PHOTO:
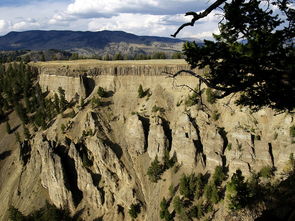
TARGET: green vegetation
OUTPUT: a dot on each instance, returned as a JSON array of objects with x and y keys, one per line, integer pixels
[
  {"x": 47, "y": 213},
  {"x": 164, "y": 212},
  {"x": 211, "y": 96},
  {"x": 101, "y": 92},
  {"x": 237, "y": 192},
  {"x": 157, "y": 168},
  {"x": 134, "y": 210},
  {"x": 292, "y": 131},
  {"x": 20, "y": 92},
  {"x": 96, "y": 102},
  {"x": 191, "y": 100},
  {"x": 215, "y": 115},
  {"x": 158, "y": 109},
  {"x": 252, "y": 53},
  {"x": 266, "y": 172},
  {"x": 141, "y": 92},
  {"x": 229, "y": 146},
  {"x": 195, "y": 195}
]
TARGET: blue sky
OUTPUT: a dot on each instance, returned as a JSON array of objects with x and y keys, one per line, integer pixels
[{"x": 142, "y": 17}]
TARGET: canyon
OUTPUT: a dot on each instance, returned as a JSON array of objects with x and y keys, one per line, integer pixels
[{"x": 96, "y": 166}]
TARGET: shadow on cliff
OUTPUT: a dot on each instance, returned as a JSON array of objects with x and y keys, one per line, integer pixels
[
  {"x": 89, "y": 85},
  {"x": 5, "y": 154}
]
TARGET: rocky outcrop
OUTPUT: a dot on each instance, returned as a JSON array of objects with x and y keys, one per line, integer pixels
[
  {"x": 185, "y": 141},
  {"x": 52, "y": 174},
  {"x": 157, "y": 140},
  {"x": 135, "y": 136}
]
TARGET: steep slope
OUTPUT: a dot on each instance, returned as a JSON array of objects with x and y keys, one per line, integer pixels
[{"x": 97, "y": 164}]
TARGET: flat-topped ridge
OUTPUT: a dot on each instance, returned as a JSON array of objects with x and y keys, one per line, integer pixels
[{"x": 92, "y": 67}]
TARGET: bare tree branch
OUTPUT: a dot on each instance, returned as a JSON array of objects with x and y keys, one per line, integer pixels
[
  {"x": 201, "y": 78},
  {"x": 226, "y": 90},
  {"x": 197, "y": 16}
]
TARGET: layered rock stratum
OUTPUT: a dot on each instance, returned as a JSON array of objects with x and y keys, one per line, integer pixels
[{"x": 97, "y": 167}]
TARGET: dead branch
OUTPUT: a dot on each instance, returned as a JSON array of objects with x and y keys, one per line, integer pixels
[{"x": 197, "y": 16}]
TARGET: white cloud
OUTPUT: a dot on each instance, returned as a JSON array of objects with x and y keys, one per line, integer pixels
[
  {"x": 16, "y": 17},
  {"x": 3, "y": 25},
  {"x": 25, "y": 25},
  {"x": 142, "y": 17},
  {"x": 146, "y": 24},
  {"x": 135, "y": 23}
]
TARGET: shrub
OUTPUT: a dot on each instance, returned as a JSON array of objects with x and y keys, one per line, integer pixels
[
  {"x": 172, "y": 190},
  {"x": 157, "y": 108},
  {"x": 134, "y": 210},
  {"x": 178, "y": 205},
  {"x": 95, "y": 102},
  {"x": 215, "y": 115},
  {"x": 211, "y": 193},
  {"x": 101, "y": 92},
  {"x": 219, "y": 175},
  {"x": 169, "y": 163},
  {"x": 140, "y": 91},
  {"x": 191, "y": 100},
  {"x": 188, "y": 185},
  {"x": 155, "y": 170},
  {"x": 164, "y": 212},
  {"x": 210, "y": 96},
  {"x": 292, "y": 131},
  {"x": 266, "y": 172}
]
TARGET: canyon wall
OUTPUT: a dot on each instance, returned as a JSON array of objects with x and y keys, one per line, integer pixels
[{"x": 105, "y": 151}]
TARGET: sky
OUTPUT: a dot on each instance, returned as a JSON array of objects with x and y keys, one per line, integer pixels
[{"x": 141, "y": 17}]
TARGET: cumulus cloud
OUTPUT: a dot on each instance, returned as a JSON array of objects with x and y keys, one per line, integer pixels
[
  {"x": 142, "y": 17},
  {"x": 25, "y": 25},
  {"x": 3, "y": 25},
  {"x": 146, "y": 24}
]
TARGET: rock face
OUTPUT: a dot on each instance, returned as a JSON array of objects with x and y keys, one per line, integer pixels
[
  {"x": 185, "y": 141},
  {"x": 52, "y": 175},
  {"x": 157, "y": 140},
  {"x": 135, "y": 136},
  {"x": 98, "y": 166}
]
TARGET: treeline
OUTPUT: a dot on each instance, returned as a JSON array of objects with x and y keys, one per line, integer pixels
[
  {"x": 27, "y": 55},
  {"x": 52, "y": 54},
  {"x": 138, "y": 56}
]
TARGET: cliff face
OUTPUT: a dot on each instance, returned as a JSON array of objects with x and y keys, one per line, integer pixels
[{"x": 98, "y": 165}]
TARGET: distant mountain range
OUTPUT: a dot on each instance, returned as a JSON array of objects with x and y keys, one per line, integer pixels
[{"x": 68, "y": 40}]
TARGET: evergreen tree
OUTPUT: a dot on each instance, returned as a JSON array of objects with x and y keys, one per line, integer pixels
[
  {"x": 62, "y": 99},
  {"x": 253, "y": 54},
  {"x": 237, "y": 192}
]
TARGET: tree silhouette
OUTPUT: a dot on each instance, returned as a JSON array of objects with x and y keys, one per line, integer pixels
[{"x": 253, "y": 54}]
